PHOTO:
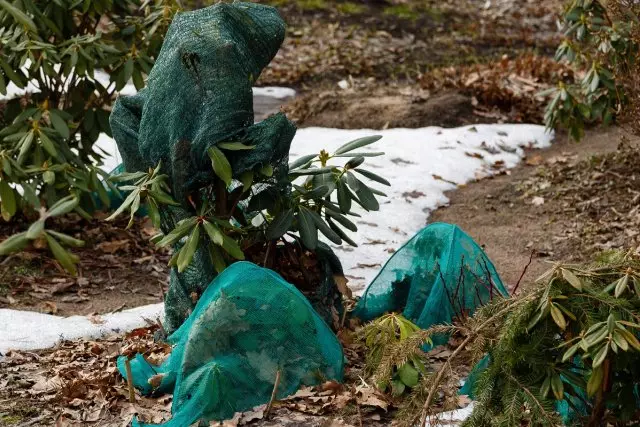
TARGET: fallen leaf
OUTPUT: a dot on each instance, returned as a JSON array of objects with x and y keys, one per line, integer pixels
[
  {"x": 342, "y": 284},
  {"x": 534, "y": 160},
  {"x": 114, "y": 246},
  {"x": 368, "y": 396}
]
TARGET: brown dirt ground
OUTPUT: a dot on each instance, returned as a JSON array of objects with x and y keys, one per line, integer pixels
[{"x": 499, "y": 214}]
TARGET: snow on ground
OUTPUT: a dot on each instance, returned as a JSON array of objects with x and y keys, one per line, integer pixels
[{"x": 27, "y": 330}]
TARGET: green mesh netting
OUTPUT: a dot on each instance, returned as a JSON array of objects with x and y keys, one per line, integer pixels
[
  {"x": 249, "y": 324},
  {"x": 199, "y": 93},
  {"x": 438, "y": 274}
]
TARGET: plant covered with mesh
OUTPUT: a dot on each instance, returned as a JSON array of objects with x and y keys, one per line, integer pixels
[
  {"x": 220, "y": 187},
  {"x": 250, "y": 332}
]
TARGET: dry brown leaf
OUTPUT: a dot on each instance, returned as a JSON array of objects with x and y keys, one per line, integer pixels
[
  {"x": 368, "y": 396},
  {"x": 342, "y": 284},
  {"x": 114, "y": 246}
]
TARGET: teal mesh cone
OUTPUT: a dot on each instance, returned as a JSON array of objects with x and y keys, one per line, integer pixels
[
  {"x": 438, "y": 274},
  {"x": 249, "y": 324}
]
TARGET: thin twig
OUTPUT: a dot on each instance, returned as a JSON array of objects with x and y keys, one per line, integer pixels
[
  {"x": 132, "y": 391},
  {"x": 273, "y": 395},
  {"x": 515, "y": 288},
  {"x": 456, "y": 352}
]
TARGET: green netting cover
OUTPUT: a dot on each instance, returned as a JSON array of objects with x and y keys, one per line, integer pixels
[
  {"x": 199, "y": 93},
  {"x": 435, "y": 276},
  {"x": 249, "y": 324}
]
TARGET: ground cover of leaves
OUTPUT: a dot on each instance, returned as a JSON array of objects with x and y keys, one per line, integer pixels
[
  {"x": 597, "y": 200},
  {"x": 339, "y": 54},
  {"x": 77, "y": 384},
  {"x": 118, "y": 269}
]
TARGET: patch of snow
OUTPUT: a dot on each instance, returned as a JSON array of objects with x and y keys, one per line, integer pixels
[
  {"x": 450, "y": 418},
  {"x": 274, "y": 92},
  {"x": 27, "y": 330}
]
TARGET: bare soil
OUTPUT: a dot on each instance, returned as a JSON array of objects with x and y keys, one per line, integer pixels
[{"x": 525, "y": 214}]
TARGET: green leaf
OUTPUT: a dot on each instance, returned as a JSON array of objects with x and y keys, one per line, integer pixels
[
  {"x": 25, "y": 146},
  {"x": 266, "y": 170},
  {"x": 595, "y": 381},
  {"x": 64, "y": 258},
  {"x": 408, "y": 375},
  {"x": 360, "y": 142},
  {"x": 59, "y": 124},
  {"x": 316, "y": 193},
  {"x": 214, "y": 233},
  {"x": 18, "y": 81},
  {"x": 341, "y": 233},
  {"x": 570, "y": 352},
  {"x": 369, "y": 154},
  {"x": 372, "y": 176},
  {"x": 312, "y": 171},
  {"x": 352, "y": 181},
  {"x": 307, "y": 227},
  {"x": 66, "y": 239},
  {"x": 217, "y": 259},
  {"x": 325, "y": 229},
  {"x": 342, "y": 220},
  {"x": 189, "y": 248},
  {"x": 19, "y": 15},
  {"x": 557, "y": 387},
  {"x": 126, "y": 204},
  {"x": 220, "y": 164},
  {"x": 621, "y": 285},
  {"x": 127, "y": 70},
  {"x": 355, "y": 162},
  {"x": 138, "y": 80},
  {"x": 280, "y": 225},
  {"x": 47, "y": 144},
  {"x": 397, "y": 387},
  {"x": 301, "y": 161},
  {"x": 557, "y": 316},
  {"x": 366, "y": 197},
  {"x": 182, "y": 228},
  {"x": 619, "y": 339},
  {"x": 35, "y": 230},
  {"x": 8, "y": 200},
  {"x": 600, "y": 355},
  {"x": 63, "y": 206},
  {"x": 572, "y": 279},
  {"x": 232, "y": 247},
  {"x": 344, "y": 199},
  {"x": 247, "y": 180},
  {"x": 545, "y": 388},
  {"x": 49, "y": 177},
  {"x": 14, "y": 243},
  {"x": 161, "y": 197},
  {"x": 235, "y": 146}
]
